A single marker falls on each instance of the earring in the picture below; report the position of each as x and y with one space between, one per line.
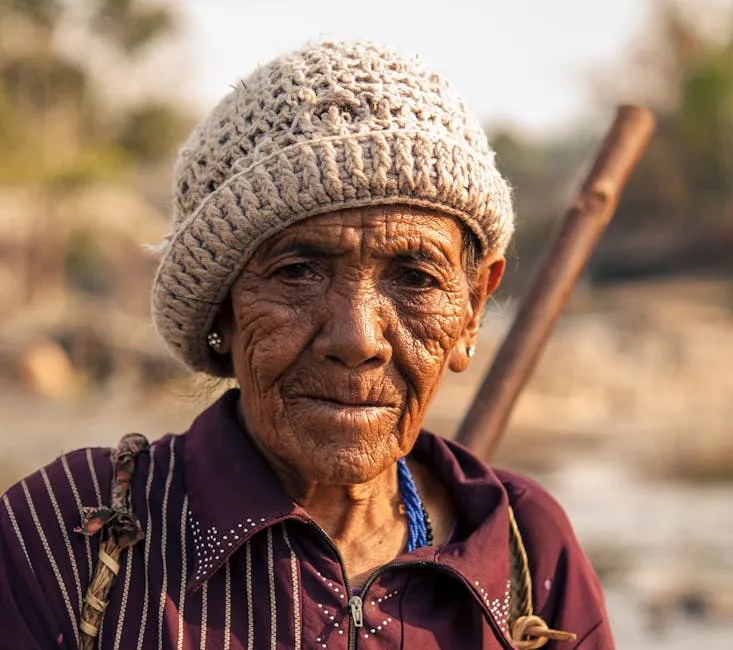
470 350
214 339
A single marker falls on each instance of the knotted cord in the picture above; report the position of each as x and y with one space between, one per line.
528 631
122 530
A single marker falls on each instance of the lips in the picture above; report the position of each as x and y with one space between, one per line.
343 392
348 403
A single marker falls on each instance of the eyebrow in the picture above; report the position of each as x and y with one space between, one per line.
418 256
423 253
298 248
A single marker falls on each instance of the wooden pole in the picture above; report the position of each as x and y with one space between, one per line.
557 275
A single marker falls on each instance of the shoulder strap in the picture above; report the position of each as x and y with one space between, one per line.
520 591
527 631
121 529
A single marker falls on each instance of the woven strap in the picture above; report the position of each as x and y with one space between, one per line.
527 631
94 602
122 530
88 629
108 561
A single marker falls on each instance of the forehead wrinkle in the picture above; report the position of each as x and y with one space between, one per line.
307 238
427 245
414 235
368 233
379 244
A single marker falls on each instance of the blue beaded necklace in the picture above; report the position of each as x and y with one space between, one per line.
419 528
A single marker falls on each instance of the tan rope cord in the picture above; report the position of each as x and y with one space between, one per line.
88 629
521 578
528 631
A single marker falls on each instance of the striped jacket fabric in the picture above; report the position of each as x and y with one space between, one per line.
229 562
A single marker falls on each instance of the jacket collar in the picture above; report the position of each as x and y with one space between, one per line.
480 554
232 491
233 494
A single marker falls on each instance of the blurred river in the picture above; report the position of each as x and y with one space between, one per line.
665 551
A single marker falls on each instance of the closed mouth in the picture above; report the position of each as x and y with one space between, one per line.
340 402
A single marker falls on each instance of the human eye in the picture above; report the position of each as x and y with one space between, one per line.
297 271
417 279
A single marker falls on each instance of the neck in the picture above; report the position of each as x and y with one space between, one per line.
364 521
351 512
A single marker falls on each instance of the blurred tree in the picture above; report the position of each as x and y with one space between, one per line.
54 126
130 25
150 132
58 130
677 212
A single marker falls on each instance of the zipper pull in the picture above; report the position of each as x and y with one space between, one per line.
357 613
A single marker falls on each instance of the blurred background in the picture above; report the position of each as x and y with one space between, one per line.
629 418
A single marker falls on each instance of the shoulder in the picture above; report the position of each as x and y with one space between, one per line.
46 505
566 589
57 491
545 527
534 507
43 562
39 514
543 524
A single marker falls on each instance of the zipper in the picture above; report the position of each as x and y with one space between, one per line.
356 603
357 611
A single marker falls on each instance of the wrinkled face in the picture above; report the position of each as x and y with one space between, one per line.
340 330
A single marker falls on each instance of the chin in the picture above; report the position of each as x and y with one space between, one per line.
347 467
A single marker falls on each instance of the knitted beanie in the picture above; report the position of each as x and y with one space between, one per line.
331 126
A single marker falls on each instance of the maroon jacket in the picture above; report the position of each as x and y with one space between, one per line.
228 561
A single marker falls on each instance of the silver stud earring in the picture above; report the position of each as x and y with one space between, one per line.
470 350
214 339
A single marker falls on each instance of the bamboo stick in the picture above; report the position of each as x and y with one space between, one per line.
585 221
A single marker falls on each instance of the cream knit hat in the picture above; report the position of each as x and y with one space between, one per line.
331 126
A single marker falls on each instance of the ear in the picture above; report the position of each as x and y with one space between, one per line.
224 325
486 280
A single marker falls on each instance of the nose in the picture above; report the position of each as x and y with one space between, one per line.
353 329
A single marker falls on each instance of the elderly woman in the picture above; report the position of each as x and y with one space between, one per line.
339 225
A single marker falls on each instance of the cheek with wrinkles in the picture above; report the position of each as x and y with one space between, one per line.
428 340
269 335
291 319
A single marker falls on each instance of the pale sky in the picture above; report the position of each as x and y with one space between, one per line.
521 62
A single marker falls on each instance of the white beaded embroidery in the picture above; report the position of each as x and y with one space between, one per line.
211 545
386 621
335 588
499 609
391 594
331 618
